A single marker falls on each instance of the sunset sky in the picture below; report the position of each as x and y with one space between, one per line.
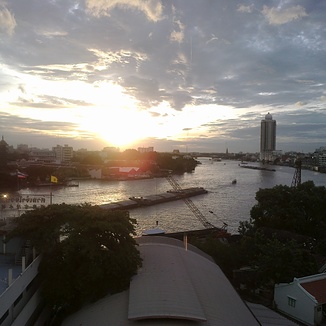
193 75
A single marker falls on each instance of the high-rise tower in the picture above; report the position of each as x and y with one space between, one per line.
267 137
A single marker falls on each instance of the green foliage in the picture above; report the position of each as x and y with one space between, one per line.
272 260
131 155
279 242
227 256
277 261
286 228
87 252
298 209
8 182
177 165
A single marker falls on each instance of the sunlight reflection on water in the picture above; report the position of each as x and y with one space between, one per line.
229 203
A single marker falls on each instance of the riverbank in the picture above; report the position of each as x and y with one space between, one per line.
229 203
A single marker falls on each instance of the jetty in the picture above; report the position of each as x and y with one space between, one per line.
149 200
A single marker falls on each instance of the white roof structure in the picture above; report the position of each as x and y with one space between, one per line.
175 286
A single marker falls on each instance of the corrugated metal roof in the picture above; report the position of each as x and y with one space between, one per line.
268 317
163 290
175 286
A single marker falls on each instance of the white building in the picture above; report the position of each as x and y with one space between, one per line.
95 173
43 155
63 153
20 298
267 138
304 299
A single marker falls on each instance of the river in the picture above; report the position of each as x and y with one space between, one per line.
224 202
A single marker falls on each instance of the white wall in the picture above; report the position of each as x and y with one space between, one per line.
305 303
95 173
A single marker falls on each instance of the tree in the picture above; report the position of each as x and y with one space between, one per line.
179 164
87 252
285 230
298 209
228 256
277 261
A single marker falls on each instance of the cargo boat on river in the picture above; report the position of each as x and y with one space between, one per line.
141 201
257 168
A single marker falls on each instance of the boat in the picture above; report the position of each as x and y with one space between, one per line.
257 168
216 159
52 184
72 184
234 181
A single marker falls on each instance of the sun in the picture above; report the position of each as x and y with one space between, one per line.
118 127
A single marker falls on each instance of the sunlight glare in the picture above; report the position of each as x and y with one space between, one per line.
119 127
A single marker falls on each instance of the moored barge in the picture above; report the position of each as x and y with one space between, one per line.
141 201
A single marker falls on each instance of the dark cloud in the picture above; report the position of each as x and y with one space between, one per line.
254 55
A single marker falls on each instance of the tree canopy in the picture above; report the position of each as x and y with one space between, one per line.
285 232
298 209
283 238
88 252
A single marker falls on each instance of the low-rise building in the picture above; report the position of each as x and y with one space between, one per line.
322 159
42 155
304 299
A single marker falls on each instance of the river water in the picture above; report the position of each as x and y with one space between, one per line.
224 202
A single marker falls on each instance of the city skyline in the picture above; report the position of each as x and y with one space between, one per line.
193 76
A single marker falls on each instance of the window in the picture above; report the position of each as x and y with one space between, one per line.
3 318
18 299
291 302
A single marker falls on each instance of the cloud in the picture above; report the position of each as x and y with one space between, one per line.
177 35
146 90
245 9
280 16
48 102
7 21
151 8
165 59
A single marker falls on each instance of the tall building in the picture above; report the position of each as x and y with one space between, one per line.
267 138
63 153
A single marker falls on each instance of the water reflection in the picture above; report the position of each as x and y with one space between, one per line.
230 203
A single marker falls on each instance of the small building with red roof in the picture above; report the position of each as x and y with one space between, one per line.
304 299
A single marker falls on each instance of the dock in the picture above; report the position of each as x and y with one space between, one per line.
143 201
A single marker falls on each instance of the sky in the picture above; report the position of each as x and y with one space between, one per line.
192 75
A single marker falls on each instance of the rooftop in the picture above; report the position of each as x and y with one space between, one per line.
316 286
175 286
